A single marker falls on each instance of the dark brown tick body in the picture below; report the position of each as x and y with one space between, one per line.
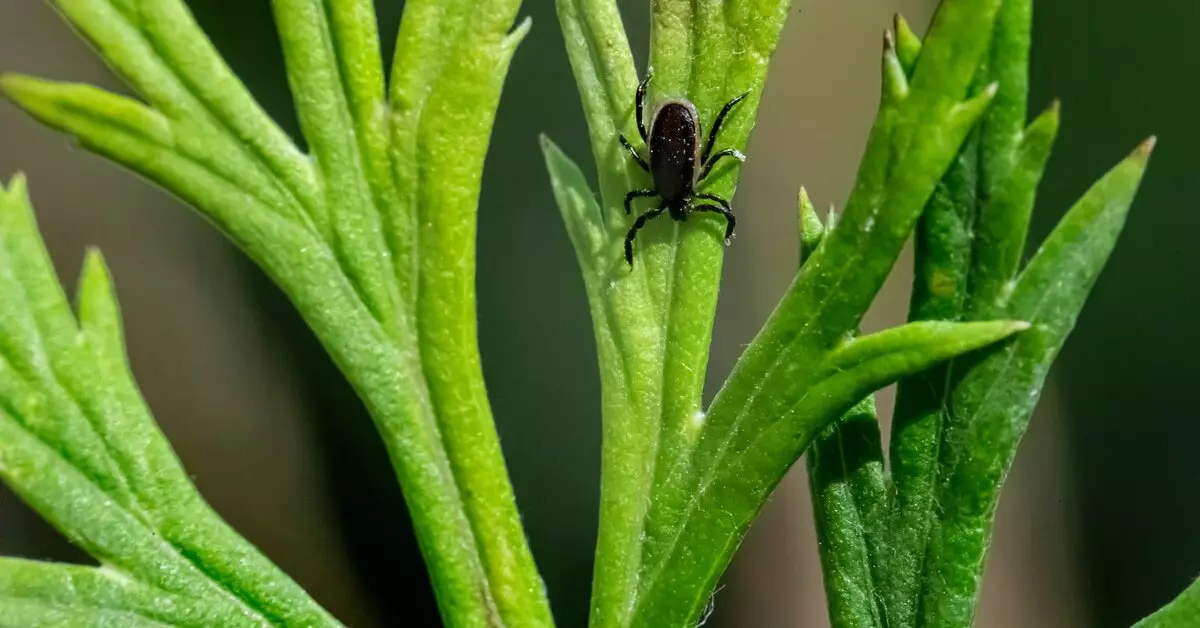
677 164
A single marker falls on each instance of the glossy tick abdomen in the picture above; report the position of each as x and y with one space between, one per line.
674 150
677 164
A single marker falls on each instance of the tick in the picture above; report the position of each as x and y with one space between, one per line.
676 163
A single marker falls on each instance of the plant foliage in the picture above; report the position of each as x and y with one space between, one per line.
370 231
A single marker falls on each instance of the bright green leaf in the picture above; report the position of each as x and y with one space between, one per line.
670 468
845 473
951 237
994 394
389 174
79 445
102 589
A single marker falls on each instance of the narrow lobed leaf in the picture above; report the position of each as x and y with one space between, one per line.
339 235
20 613
80 446
812 230
1003 220
952 240
161 51
104 589
770 409
150 144
908 45
996 392
323 92
845 473
580 212
444 108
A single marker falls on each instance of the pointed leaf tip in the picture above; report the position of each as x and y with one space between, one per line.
1046 123
518 33
95 268
908 45
17 186
812 230
1146 148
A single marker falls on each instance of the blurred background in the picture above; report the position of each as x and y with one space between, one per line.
1099 525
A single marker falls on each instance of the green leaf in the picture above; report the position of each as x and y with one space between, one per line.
390 174
995 393
451 61
1180 613
845 473
101 590
660 366
765 416
336 75
1003 218
29 614
672 472
77 443
908 45
812 230
968 251
849 493
968 243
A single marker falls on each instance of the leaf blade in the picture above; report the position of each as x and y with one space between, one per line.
991 405
824 304
81 447
846 479
443 111
103 588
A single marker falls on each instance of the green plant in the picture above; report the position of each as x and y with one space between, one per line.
371 235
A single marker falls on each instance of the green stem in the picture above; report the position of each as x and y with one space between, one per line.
845 474
443 121
845 477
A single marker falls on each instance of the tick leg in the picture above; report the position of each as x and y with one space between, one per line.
716 128
728 152
716 199
636 194
730 220
633 152
637 226
639 105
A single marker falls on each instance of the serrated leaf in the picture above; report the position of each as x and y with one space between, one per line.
338 229
79 445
